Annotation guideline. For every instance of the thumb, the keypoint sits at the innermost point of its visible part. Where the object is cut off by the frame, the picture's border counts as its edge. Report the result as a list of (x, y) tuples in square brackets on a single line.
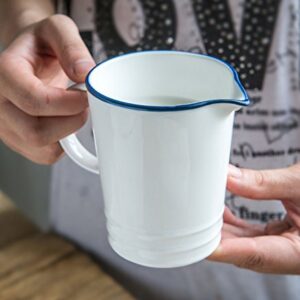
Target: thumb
[(62, 35), (280, 184), (262, 254)]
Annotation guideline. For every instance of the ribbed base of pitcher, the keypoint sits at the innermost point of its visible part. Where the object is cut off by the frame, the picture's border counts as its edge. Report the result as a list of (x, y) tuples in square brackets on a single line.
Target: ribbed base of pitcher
[(166, 251), (167, 260)]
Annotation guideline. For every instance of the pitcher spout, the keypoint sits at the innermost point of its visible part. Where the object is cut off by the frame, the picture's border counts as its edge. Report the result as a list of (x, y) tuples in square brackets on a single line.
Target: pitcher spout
[(240, 97), (235, 96)]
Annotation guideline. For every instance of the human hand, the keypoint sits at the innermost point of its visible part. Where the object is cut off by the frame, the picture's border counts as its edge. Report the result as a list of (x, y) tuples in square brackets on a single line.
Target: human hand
[(274, 248), (35, 109)]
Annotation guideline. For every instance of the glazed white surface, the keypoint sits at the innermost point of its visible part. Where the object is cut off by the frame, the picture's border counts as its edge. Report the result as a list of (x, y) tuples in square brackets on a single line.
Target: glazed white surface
[(163, 173)]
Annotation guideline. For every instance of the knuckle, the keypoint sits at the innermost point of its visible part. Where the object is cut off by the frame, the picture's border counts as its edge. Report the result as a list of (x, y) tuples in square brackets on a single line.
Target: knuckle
[(60, 19), (69, 50), (29, 99), (259, 178), (253, 262), (30, 106), (56, 22)]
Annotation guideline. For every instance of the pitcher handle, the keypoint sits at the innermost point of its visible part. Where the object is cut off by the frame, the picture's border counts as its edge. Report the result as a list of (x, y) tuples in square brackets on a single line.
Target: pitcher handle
[(75, 150)]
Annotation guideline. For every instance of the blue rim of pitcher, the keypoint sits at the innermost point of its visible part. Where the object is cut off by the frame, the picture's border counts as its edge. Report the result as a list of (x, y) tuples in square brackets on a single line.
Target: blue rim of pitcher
[(178, 107)]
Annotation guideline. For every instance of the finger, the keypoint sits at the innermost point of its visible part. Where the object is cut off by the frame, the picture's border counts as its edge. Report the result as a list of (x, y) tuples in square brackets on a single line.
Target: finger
[(227, 234), (277, 227), (293, 209), (242, 231), (45, 155), (292, 233), (29, 94), (39, 132), (269, 254), (231, 219), (263, 184), (62, 34)]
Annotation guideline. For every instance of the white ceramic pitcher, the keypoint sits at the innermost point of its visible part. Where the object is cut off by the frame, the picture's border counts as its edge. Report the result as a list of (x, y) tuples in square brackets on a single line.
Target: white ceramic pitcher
[(162, 123)]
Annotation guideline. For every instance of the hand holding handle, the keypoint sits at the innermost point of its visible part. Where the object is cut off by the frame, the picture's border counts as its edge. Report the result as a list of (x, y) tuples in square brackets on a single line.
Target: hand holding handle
[(75, 150)]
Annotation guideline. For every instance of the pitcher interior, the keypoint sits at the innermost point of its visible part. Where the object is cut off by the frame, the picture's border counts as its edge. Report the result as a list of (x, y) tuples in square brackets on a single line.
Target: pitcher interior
[(164, 79)]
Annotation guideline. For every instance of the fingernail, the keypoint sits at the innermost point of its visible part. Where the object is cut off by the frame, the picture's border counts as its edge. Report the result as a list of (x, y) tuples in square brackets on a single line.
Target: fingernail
[(82, 67), (234, 172)]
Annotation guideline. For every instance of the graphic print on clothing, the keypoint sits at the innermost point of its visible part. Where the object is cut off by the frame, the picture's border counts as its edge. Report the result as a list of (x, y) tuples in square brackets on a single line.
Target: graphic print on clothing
[(248, 54), (160, 27)]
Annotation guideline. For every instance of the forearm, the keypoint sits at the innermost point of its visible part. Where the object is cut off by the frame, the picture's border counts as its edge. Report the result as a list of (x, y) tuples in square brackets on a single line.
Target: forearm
[(17, 14)]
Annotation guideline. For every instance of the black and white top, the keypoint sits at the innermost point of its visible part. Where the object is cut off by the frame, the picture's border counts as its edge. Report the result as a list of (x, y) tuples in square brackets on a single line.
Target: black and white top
[(261, 39)]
